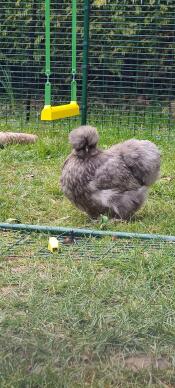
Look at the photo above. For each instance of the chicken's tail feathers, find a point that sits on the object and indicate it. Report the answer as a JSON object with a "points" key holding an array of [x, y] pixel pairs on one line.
{"points": [[84, 136]]}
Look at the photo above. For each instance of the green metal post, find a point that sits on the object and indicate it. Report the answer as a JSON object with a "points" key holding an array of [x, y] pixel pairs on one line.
{"points": [[85, 61], [47, 50], [74, 22]]}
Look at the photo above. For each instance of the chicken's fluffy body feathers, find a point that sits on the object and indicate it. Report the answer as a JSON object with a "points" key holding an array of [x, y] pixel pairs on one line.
{"points": [[113, 181]]}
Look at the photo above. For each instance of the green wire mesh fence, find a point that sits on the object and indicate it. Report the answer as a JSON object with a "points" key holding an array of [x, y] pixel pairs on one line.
{"points": [[132, 78], [131, 82], [16, 245], [22, 58]]}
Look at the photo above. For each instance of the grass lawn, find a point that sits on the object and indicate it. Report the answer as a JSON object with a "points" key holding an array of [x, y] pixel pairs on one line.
{"points": [[68, 320]]}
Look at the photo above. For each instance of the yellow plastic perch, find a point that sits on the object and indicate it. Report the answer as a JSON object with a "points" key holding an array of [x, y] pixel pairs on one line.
{"points": [[50, 113]]}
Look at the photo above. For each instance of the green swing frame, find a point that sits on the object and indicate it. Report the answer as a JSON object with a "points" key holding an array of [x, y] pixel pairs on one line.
{"points": [[50, 112]]}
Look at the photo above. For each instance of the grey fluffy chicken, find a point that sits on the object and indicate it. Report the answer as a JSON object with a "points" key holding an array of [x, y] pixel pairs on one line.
{"points": [[113, 181]]}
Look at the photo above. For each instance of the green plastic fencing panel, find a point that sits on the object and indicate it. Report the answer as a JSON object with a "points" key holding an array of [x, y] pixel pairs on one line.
{"points": [[16, 245], [132, 68], [131, 72], [22, 58]]}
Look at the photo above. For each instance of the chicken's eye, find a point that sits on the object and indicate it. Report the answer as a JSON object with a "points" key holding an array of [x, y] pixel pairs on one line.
{"points": [[80, 149]]}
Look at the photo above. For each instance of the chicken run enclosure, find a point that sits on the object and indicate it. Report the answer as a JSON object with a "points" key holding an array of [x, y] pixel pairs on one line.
{"points": [[131, 81], [130, 73]]}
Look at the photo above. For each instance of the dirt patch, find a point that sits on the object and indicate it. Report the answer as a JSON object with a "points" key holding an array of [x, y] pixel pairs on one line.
{"points": [[7, 290], [103, 273], [13, 257], [19, 269], [167, 178], [143, 361], [43, 275]]}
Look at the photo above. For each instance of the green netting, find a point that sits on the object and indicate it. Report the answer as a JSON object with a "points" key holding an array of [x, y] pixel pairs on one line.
{"points": [[17, 245], [22, 58], [131, 83]]}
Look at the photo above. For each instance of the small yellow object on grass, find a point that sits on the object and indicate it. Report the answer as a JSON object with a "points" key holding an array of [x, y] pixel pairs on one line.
{"points": [[53, 244]]}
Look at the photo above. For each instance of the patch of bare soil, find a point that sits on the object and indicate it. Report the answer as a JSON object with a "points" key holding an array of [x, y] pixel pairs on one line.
{"points": [[142, 361]]}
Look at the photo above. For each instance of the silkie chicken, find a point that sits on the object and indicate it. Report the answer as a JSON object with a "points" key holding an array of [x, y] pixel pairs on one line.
{"points": [[115, 181]]}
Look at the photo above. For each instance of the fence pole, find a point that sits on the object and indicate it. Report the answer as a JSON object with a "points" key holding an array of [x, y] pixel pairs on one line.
{"points": [[47, 53], [74, 65], [84, 232], [85, 62]]}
